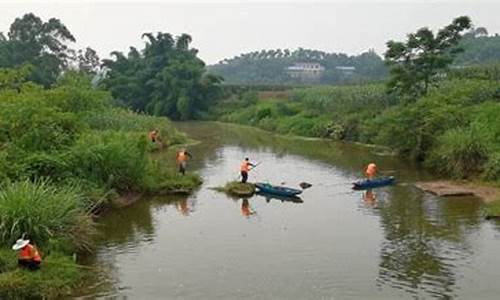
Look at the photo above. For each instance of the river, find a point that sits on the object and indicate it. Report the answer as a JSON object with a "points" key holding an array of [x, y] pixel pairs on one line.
{"points": [[397, 243]]}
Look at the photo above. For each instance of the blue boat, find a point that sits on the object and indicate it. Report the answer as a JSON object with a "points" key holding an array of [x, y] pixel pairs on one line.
{"points": [[267, 188], [374, 183]]}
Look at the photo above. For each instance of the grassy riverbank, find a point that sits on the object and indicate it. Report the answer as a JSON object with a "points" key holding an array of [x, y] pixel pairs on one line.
{"points": [[453, 130], [65, 153]]}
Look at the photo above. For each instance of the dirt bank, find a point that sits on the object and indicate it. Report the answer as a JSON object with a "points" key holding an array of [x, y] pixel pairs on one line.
{"points": [[457, 188]]}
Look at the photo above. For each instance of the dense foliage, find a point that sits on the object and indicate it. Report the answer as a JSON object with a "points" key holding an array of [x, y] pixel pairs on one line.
{"points": [[165, 78], [65, 151], [268, 67]]}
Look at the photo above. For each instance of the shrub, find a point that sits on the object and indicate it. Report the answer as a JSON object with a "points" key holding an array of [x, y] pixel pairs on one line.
{"points": [[492, 167], [113, 159]]}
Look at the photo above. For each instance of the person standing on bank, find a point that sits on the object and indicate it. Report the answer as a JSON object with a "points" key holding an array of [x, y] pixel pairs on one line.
{"points": [[181, 158], [245, 168], [27, 256]]}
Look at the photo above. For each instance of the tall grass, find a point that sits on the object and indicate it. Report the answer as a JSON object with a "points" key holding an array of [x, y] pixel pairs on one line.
{"points": [[460, 152], [44, 212]]}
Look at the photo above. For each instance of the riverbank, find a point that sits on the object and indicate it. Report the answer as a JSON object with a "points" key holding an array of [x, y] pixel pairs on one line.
{"points": [[69, 153], [450, 131], [446, 188]]}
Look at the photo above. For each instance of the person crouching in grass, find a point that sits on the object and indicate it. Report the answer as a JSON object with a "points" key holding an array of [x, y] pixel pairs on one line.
{"points": [[28, 256]]}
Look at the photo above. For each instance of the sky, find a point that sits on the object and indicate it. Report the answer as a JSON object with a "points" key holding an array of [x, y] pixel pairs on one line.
{"points": [[227, 28]]}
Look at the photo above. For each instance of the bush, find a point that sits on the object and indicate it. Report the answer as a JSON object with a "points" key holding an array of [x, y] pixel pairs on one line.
{"points": [[459, 153], [43, 211], [116, 160]]}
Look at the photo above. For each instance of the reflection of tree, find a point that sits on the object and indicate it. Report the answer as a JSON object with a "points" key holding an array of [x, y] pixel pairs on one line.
{"points": [[132, 224], [424, 239], [128, 224]]}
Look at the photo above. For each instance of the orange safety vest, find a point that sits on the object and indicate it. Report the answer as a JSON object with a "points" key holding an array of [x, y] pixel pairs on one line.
{"points": [[29, 252], [245, 166], [181, 156], [371, 169]]}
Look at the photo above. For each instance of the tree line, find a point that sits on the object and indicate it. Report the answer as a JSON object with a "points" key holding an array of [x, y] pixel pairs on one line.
{"points": [[471, 46], [166, 77], [268, 66]]}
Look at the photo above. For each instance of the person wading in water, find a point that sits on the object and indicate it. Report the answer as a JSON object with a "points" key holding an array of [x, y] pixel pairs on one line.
{"points": [[245, 168], [181, 158], [27, 256]]}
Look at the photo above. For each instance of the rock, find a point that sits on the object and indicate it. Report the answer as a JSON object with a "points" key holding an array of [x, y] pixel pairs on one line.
{"points": [[305, 185]]}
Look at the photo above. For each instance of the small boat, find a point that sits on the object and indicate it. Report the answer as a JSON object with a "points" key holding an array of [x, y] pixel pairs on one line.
{"points": [[267, 188], [374, 183]]}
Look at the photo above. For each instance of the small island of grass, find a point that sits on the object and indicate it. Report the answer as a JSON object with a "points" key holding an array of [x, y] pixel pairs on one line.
{"points": [[237, 189]]}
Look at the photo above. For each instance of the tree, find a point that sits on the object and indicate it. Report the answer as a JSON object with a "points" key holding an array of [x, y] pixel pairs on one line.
{"points": [[165, 78], [88, 61], [416, 64], [41, 44]]}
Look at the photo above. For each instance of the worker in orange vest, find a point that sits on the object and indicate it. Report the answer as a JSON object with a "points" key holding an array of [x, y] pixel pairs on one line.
{"points": [[28, 256], [371, 170], [245, 168], [181, 158], [153, 135]]}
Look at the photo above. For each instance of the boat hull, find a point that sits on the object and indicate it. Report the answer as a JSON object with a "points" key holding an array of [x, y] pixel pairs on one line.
{"points": [[277, 190], [374, 183]]}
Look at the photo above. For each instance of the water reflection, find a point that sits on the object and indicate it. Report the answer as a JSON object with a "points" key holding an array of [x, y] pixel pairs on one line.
{"points": [[246, 209], [185, 206], [426, 240], [268, 197], [370, 198]]}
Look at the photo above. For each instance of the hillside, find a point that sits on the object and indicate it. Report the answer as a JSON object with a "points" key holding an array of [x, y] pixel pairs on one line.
{"points": [[269, 67]]}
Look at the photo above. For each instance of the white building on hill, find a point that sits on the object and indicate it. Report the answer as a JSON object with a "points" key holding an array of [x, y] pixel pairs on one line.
{"points": [[305, 71]]}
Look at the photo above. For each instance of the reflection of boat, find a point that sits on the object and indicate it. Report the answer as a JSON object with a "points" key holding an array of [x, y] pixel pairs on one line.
{"points": [[277, 190], [373, 183], [270, 197]]}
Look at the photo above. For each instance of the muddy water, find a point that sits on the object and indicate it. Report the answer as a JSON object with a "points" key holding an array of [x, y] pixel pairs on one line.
{"points": [[396, 243]]}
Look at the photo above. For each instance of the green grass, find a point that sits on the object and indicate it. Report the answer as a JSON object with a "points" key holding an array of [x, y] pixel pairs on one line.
{"points": [[57, 277], [43, 211], [237, 189], [492, 209]]}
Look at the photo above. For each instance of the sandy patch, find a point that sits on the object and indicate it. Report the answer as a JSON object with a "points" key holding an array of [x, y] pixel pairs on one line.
{"points": [[456, 188]]}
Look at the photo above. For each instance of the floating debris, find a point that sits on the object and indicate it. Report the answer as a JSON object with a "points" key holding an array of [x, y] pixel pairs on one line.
{"points": [[305, 185]]}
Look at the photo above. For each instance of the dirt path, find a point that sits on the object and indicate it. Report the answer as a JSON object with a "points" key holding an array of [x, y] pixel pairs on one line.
{"points": [[455, 188]]}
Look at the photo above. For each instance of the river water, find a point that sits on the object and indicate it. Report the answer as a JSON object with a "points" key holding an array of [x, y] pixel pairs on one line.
{"points": [[396, 243]]}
